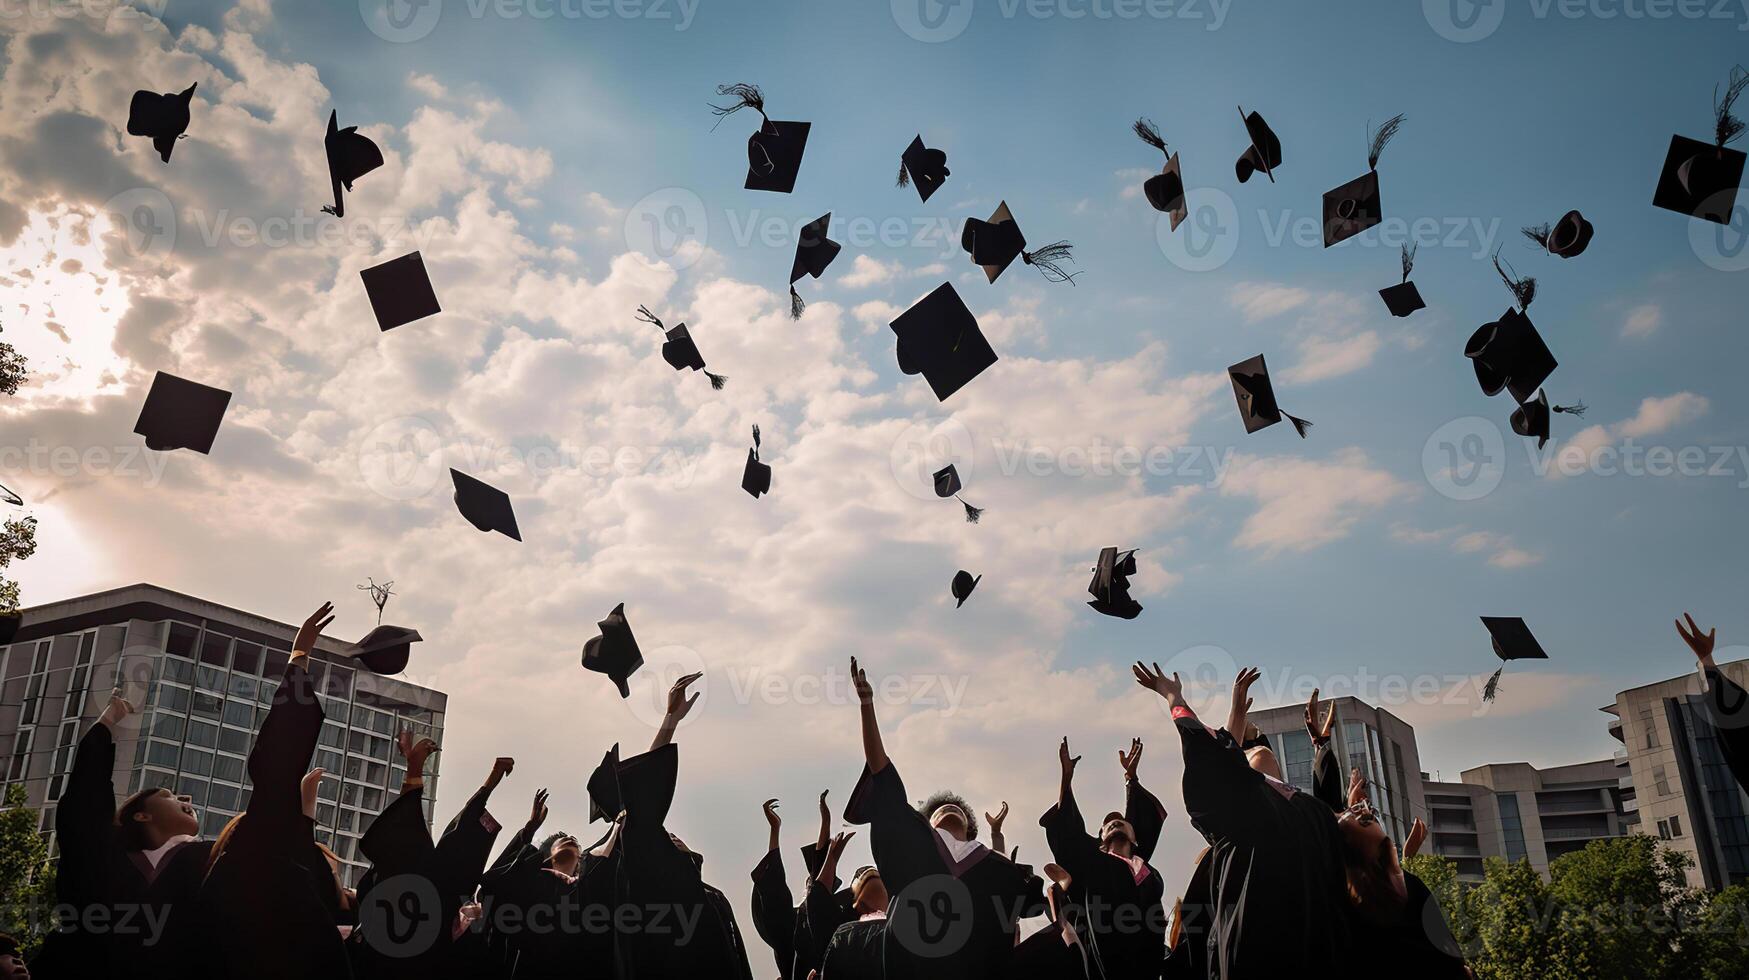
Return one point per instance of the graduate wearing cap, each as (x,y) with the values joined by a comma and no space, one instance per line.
(554,881)
(775,913)
(1275,897)
(1727,703)
(271,901)
(143,857)
(956,903)
(1110,876)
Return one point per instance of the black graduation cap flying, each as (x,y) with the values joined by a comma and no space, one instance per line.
(995,244)
(615,652)
(386,649)
(1700,179)
(163,117)
(1565,238)
(1264,151)
(1256,397)
(924,167)
(1355,206)
(1512,641)
(1110,587)
(755,476)
(963,584)
(1508,354)
(400,291)
(947,484)
(939,338)
(8,496)
(181,414)
(679,350)
(774,151)
(351,155)
(486,507)
(814,252)
(1164,190)
(1403,298)
(1532,419)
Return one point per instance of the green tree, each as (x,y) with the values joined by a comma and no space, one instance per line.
(17,542)
(1625,910)
(1723,936)
(1512,916)
(27,883)
(12,368)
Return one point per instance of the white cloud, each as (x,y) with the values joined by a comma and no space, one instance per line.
(1643,321)
(867,271)
(1263,300)
(1305,504)
(1655,416)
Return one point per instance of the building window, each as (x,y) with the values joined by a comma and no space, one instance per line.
(1663,830)
(1512,827)
(1650,727)
(1660,781)
(1675,827)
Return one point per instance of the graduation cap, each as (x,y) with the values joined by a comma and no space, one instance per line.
(947,484)
(756,477)
(1164,190)
(8,496)
(1508,354)
(351,155)
(1354,207)
(1512,641)
(1532,417)
(963,584)
(615,652)
(1700,179)
(939,338)
(679,350)
(9,623)
(1264,152)
(1566,237)
(1256,397)
(924,167)
(399,291)
(1403,298)
(181,414)
(774,151)
(486,507)
(162,117)
(1110,587)
(814,252)
(384,650)
(994,244)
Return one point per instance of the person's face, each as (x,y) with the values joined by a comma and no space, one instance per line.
(1263,760)
(871,893)
(170,815)
(12,967)
(1117,837)
(566,850)
(1363,831)
(951,819)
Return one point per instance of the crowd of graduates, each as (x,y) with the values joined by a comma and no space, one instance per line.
(1286,882)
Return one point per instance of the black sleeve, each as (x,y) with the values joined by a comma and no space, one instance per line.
(397,841)
(282,752)
(1147,815)
(1217,780)
(1066,833)
(1730,717)
(773,909)
(877,796)
(85,817)
(819,917)
(1327,782)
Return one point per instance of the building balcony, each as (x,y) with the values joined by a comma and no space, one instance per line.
(1587,806)
(1576,833)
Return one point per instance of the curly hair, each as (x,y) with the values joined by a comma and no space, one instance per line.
(945,797)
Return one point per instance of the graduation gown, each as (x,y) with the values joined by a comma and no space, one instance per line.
(1729,707)
(141,906)
(538,924)
(854,951)
(1050,955)
(950,918)
(1418,944)
(823,910)
(774,911)
(1276,894)
(270,906)
(1123,905)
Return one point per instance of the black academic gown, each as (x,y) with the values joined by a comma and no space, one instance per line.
(1125,918)
(1050,954)
(823,910)
(854,951)
(270,906)
(538,924)
(947,919)
(137,910)
(1276,893)
(1417,943)
(774,911)
(1729,707)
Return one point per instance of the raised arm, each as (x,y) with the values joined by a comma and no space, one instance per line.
(1144,811)
(415,753)
(1065,829)
(1727,702)
(998,843)
(288,736)
(679,705)
(1326,767)
(1216,776)
(1241,706)
(874,754)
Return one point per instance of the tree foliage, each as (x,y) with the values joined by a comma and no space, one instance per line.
(27,885)
(17,542)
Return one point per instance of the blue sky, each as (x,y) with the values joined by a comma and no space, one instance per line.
(523,148)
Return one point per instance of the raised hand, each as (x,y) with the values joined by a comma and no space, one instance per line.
(771,818)
(118,709)
(537,815)
(1065,760)
(415,752)
(825,821)
(995,820)
(501,767)
(679,705)
(1701,645)
(1320,733)
(308,789)
(312,629)
(859,679)
(835,849)
(1241,706)
(1155,679)
(1356,787)
(1417,835)
(1131,761)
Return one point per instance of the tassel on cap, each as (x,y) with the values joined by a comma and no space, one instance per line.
(1380,137)
(1726,126)
(904,176)
(756,441)
(1300,425)
(1523,290)
(1149,133)
(746,97)
(717,380)
(1409,259)
(1047,261)
(796,306)
(1577,409)
(646,316)
(972,513)
(1493,685)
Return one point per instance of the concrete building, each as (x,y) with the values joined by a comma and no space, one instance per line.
(1378,743)
(1514,810)
(1677,778)
(200,676)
